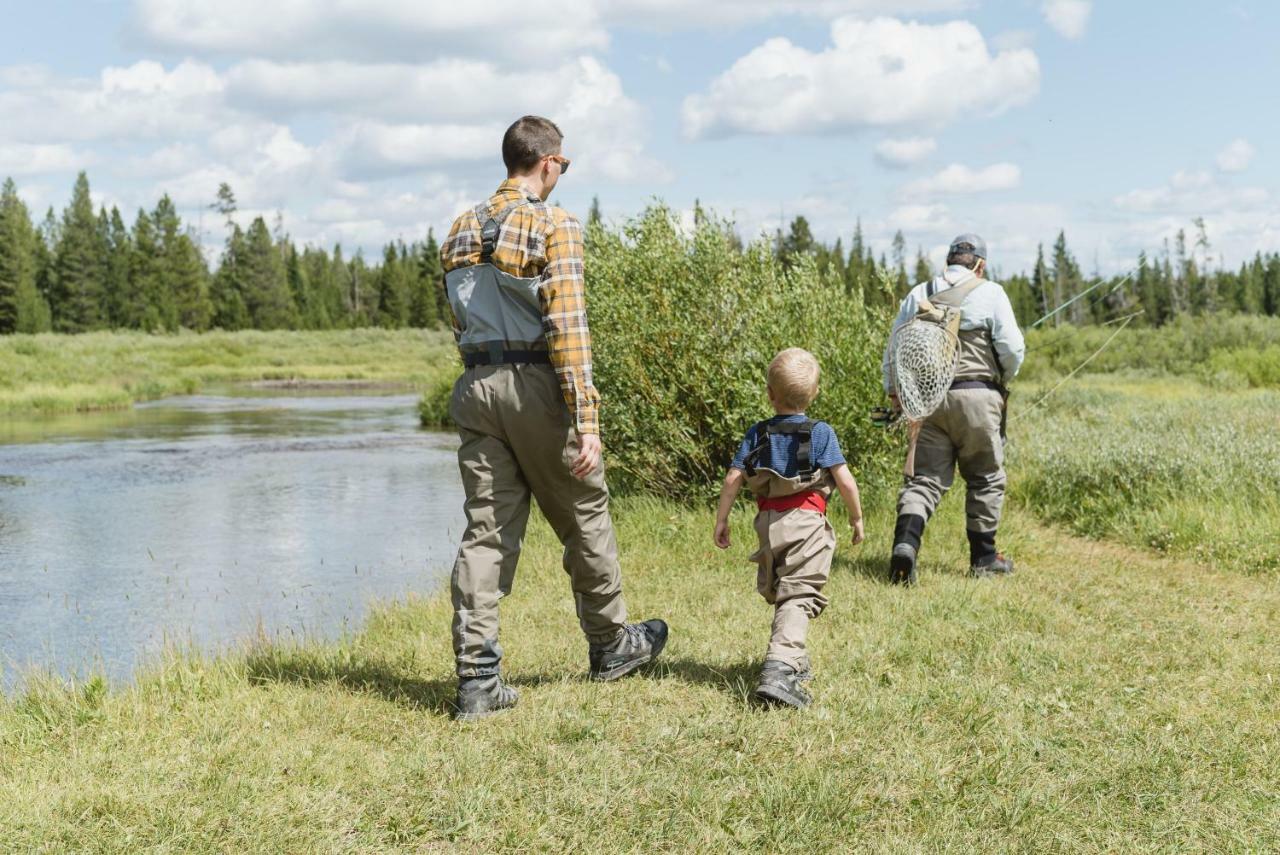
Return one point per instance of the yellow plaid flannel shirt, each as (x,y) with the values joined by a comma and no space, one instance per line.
(539,240)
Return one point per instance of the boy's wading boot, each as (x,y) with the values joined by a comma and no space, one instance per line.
(782,685)
(639,644)
(479,697)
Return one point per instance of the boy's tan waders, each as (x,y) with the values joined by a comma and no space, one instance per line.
(794,558)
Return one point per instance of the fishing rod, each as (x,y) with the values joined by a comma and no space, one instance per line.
(1128,277)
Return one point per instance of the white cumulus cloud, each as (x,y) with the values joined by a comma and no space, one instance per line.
(1236,157)
(879,73)
(901,153)
(958,179)
(670,15)
(1069,17)
(36,159)
(369,30)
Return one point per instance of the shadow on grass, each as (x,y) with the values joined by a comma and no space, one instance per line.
(365,677)
(737,680)
(869,564)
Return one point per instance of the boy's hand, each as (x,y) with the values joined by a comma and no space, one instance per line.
(858,534)
(721,535)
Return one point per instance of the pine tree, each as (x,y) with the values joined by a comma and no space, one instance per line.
(79,262)
(1066,280)
(227,289)
(150,306)
(1271,286)
(798,241)
(264,281)
(318,274)
(924,270)
(17,259)
(116,286)
(424,311)
(393,309)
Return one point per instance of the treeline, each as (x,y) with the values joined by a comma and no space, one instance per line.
(1171,283)
(89,270)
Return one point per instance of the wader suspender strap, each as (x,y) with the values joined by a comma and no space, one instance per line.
(489,231)
(956,294)
(804,452)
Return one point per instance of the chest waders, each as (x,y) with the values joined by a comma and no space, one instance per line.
(809,488)
(499,315)
(931,356)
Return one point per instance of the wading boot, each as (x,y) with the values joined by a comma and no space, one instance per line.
(479,697)
(638,644)
(782,685)
(902,565)
(997,566)
(907,533)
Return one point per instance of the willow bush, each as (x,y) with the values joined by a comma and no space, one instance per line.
(684,324)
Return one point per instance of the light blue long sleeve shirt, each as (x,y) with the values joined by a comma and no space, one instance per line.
(986,308)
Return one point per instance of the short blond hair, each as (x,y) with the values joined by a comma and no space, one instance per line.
(793,378)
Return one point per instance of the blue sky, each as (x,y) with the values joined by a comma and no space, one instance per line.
(362,122)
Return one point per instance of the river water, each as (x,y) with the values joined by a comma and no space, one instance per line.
(202,521)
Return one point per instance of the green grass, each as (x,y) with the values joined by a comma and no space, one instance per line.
(1176,466)
(1103,699)
(49,373)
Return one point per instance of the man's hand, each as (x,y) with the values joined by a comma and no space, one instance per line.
(721,536)
(588,455)
(858,534)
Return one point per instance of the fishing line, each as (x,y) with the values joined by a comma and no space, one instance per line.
(1126,321)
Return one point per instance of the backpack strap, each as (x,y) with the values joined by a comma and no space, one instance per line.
(492,225)
(956,294)
(804,451)
(754,455)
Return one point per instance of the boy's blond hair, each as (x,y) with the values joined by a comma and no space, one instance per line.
(793,378)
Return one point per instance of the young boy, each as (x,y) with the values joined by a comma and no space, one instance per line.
(791,463)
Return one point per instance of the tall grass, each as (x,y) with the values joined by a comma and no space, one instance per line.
(1186,470)
(1232,351)
(59,373)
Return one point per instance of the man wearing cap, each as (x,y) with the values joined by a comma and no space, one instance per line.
(967,429)
(527,413)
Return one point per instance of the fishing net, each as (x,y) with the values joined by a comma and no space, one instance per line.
(923,363)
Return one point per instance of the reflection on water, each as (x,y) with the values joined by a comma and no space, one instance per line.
(199,519)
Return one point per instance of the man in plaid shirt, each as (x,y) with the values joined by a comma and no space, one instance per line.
(527,412)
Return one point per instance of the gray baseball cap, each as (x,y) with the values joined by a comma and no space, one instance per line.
(979,245)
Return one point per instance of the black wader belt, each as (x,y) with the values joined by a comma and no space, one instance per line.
(507,357)
(977,384)
(804,452)
(994,387)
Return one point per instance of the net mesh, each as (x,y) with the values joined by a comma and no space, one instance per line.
(924,363)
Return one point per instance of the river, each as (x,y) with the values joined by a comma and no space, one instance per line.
(200,522)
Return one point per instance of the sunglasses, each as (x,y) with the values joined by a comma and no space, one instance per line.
(563,161)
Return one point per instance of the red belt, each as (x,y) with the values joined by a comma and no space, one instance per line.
(810,500)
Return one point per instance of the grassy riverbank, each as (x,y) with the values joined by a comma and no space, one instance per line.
(1103,699)
(59,374)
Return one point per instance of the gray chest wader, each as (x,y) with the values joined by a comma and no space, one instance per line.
(977,365)
(499,315)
